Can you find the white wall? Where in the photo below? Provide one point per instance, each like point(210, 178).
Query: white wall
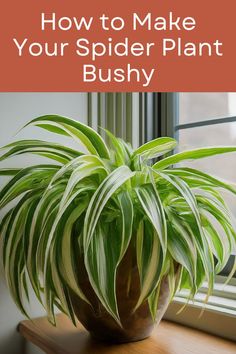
point(15, 110)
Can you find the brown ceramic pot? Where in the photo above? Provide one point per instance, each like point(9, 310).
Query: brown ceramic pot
point(136, 325)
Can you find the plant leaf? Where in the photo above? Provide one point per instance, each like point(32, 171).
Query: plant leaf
point(200, 178)
point(182, 249)
point(122, 153)
point(78, 131)
point(54, 151)
point(192, 155)
point(152, 207)
point(13, 251)
point(106, 189)
point(27, 179)
point(99, 264)
point(201, 240)
point(9, 171)
point(156, 148)
point(149, 259)
point(94, 166)
point(41, 218)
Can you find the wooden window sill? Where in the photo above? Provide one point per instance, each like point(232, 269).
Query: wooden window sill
point(168, 338)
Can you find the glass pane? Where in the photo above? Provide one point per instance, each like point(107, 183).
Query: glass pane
point(195, 107)
point(223, 166)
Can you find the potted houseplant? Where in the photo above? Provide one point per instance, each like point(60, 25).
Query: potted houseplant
point(109, 236)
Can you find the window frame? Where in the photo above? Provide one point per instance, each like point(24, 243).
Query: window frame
point(151, 114)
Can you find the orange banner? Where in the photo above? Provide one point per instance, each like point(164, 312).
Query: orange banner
point(121, 45)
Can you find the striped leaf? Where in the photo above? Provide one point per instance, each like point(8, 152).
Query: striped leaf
point(201, 240)
point(78, 131)
point(13, 251)
point(149, 259)
point(27, 179)
point(156, 148)
point(197, 178)
point(192, 155)
point(151, 250)
point(98, 261)
point(9, 171)
point(54, 151)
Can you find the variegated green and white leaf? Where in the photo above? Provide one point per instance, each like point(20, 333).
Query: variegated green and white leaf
point(95, 240)
point(193, 155)
point(13, 251)
point(156, 148)
point(27, 179)
point(51, 150)
point(9, 171)
point(152, 207)
point(200, 178)
point(201, 240)
point(149, 259)
point(107, 188)
point(78, 131)
point(104, 256)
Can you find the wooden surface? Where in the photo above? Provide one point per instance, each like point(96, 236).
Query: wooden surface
point(168, 338)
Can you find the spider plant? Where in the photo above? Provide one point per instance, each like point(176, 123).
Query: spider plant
point(95, 204)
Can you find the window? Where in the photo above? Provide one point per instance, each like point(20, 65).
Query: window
point(209, 119)
point(136, 117)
